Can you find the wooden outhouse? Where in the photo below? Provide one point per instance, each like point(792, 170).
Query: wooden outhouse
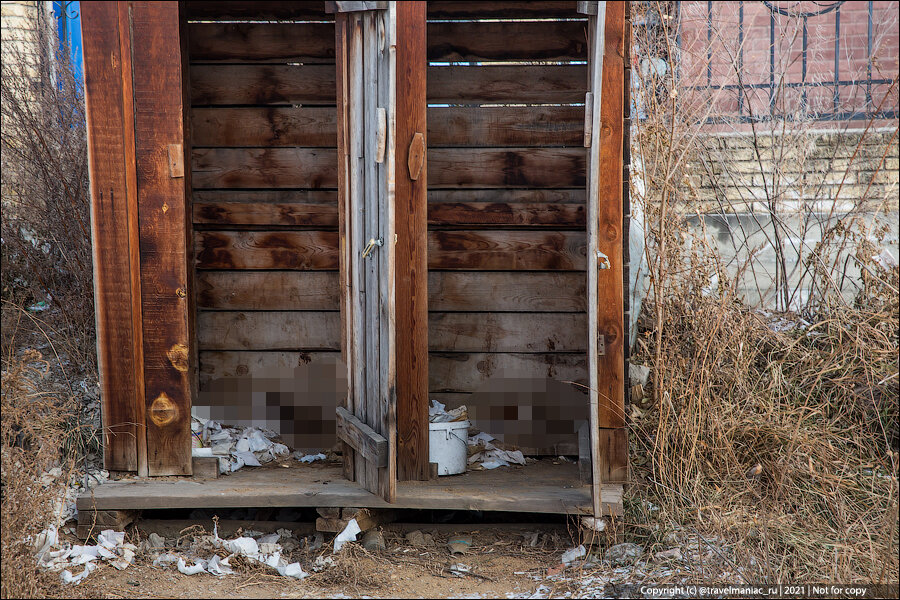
point(432, 195)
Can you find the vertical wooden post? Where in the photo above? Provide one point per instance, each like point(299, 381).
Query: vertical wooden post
point(611, 306)
point(163, 177)
point(606, 354)
point(412, 244)
point(114, 236)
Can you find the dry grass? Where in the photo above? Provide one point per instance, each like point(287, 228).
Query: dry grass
point(36, 435)
point(780, 443)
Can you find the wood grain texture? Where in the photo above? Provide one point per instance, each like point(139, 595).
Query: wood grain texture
point(505, 168)
point(262, 42)
point(115, 315)
point(234, 10)
point(610, 307)
point(507, 332)
point(411, 226)
point(613, 455)
point(457, 291)
point(324, 214)
point(543, 487)
point(310, 126)
point(503, 214)
point(466, 372)
point(516, 84)
point(492, 126)
point(455, 9)
point(303, 250)
point(363, 439)
point(262, 84)
point(506, 250)
point(264, 168)
point(448, 372)
point(317, 250)
point(268, 290)
point(511, 291)
point(289, 215)
point(276, 330)
point(165, 226)
point(315, 126)
point(510, 40)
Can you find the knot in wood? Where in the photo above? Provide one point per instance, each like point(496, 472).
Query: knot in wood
point(163, 411)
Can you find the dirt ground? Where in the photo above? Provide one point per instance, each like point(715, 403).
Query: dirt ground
point(504, 562)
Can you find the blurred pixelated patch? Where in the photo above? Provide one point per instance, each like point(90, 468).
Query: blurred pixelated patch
point(297, 403)
point(537, 414)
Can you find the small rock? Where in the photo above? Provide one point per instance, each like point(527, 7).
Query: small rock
point(429, 540)
point(671, 554)
point(623, 554)
point(373, 541)
point(289, 544)
point(156, 541)
point(415, 538)
point(639, 374)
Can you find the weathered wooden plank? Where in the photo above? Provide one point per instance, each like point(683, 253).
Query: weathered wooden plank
point(509, 40)
point(348, 351)
point(310, 126)
point(447, 291)
point(117, 353)
point(542, 487)
point(506, 250)
point(303, 250)
point(613, 465)
point(411, 226)
point(461, 372)
point(262, 84)
point(362, 438)
point(282, 330)
point(512, 84)
point(268, 290)
point(510, 195)
point(264, 168)
point(610, 301)
point(166, 281)
point(448, 372)
point(455, 9)
point(234, 10)
point(216, 364)
point(491, 126)
point(262, 42)
point(317, 250)
point(511, 291)
point(506, 214)
point(325, 214)
point(240, 213)
point(507, 332)
point(512, 167)
point(447, 332)
point(315, 126)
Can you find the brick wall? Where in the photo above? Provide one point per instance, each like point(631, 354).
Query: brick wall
point(814, 170)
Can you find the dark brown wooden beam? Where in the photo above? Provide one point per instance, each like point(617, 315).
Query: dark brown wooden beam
point(118, 322)
point(165, 238)
point(411, 259)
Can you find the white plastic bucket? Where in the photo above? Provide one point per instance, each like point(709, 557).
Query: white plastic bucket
point(447, 446)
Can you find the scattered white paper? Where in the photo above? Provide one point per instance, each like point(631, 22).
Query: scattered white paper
point(67, 577)
point(199, 567)
point(570, 556)
point(347, 535)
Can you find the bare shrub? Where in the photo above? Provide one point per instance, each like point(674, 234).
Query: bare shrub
point(36, 435)
point(46, 241)
point(773, 431)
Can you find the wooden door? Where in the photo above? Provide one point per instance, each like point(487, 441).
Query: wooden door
point(365, 57)
point(606, 222)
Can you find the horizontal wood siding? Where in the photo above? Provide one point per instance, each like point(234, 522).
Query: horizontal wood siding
point(264, 169)
point(506, 200)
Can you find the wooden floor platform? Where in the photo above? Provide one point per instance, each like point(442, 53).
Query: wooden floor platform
point(542, 488)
